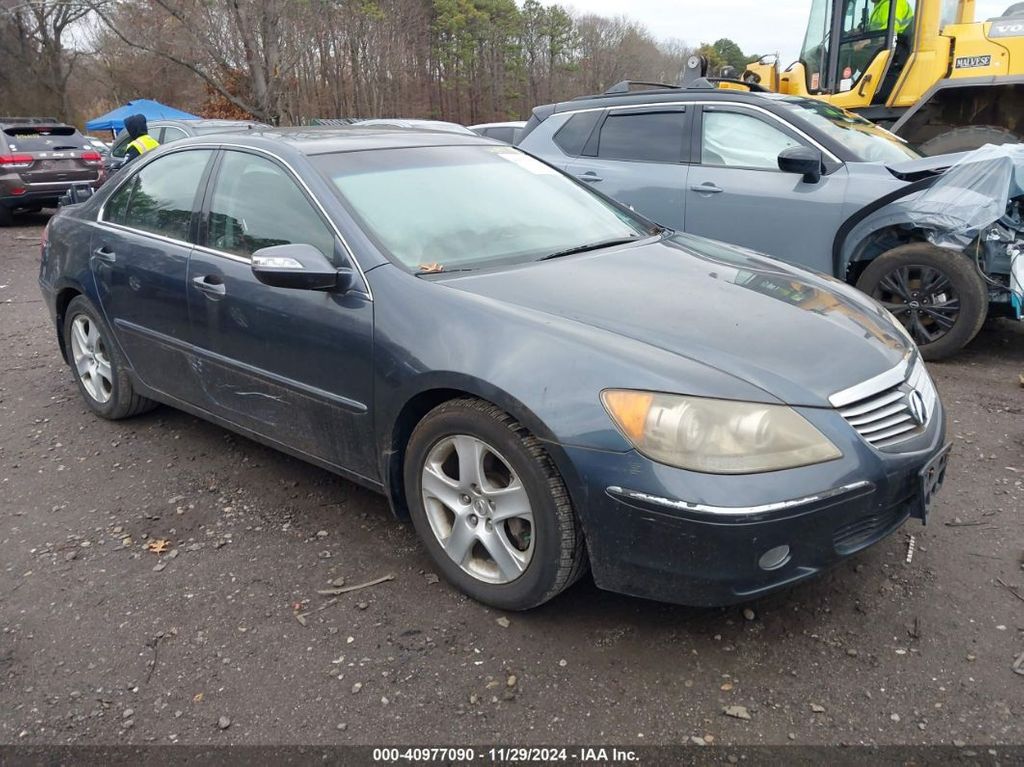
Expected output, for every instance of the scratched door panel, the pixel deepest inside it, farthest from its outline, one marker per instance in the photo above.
(292, 365)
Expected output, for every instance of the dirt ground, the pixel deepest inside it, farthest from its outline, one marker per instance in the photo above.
(103, 641)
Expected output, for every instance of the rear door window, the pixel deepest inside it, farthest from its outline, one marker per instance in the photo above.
(161, 197)
(643, 136)
(257, 204)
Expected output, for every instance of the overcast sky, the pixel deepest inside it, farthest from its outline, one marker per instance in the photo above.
(759, 26)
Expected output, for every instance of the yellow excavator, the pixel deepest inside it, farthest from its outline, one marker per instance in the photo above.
(925, 69)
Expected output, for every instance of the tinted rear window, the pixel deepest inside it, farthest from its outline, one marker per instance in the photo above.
(649, 136)
(36, 138)
(572, 136)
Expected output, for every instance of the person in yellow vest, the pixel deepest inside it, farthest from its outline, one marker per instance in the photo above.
(879, 20)
(141, 141)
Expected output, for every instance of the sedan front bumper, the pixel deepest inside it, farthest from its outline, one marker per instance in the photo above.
(646, 541)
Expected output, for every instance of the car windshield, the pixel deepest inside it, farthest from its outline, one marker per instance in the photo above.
(866, 140)
(453, 208)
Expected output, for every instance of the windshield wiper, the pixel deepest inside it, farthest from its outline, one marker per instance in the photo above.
(592, 246)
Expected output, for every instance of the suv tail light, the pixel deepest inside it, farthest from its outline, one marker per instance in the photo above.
(94, 158)
(16, 160)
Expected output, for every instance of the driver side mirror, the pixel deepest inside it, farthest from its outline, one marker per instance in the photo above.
(804, 160)
(301, 267)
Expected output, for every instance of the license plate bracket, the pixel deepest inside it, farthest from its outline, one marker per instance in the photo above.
(931, 476)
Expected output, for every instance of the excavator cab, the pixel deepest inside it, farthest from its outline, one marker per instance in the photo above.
(923, 68)
(856, 47)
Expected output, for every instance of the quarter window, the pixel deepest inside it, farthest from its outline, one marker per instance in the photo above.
(649, 136)
(572, 136)
(256, 204)
(160, 198)
(732, 139)
(172, 134)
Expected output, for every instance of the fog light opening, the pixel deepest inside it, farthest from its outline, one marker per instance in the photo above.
(775, 558)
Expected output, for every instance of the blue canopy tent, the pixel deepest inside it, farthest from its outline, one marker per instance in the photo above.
(152, 110)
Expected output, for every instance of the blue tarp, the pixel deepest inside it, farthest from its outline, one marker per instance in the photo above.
(153, 110)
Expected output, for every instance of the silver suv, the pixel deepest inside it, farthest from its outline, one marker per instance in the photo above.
(795, 178)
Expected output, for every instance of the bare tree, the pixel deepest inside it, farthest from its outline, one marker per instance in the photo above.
(36, 35)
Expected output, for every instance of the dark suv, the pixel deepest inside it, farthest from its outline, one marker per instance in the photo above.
(166, 131)
(40, 159)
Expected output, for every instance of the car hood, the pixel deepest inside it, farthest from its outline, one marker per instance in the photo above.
(798, 336)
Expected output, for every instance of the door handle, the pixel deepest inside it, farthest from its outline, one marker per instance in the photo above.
(106, 256)
(207, 285)
(590, 177)
(707, 188)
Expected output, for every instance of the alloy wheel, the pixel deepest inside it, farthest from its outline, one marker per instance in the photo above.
(922, 298)
(478, 509)
(92, 363)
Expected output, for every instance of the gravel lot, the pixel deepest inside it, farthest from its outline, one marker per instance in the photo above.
(104, 641)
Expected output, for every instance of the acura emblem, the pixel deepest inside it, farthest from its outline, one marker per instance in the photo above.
(917, 409)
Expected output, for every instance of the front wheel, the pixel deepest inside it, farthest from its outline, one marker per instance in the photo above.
(937, 294)
(490, 506)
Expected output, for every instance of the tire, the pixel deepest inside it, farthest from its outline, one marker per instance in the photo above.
(536, 560)
(895, 279)
(968, 138)
(6, 216)
(90, 350)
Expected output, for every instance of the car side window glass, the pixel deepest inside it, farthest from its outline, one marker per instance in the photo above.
(647, 136)
(172, 134)
(256, 204)
(572, 136)
(160, 198)
(732, 139)
(121, 147)
(501, 134)
(116, 206)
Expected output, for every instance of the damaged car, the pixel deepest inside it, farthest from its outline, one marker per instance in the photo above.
(541, 380)
(795, 178)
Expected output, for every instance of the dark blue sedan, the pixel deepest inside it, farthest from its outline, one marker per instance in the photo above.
(539, 378)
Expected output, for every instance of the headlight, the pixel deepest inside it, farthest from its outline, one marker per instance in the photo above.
(716, 436)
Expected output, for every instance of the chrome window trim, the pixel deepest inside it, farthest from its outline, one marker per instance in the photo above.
(743, 105)
(764, 508)
(143, 233)
(892, 377)
(257, 150)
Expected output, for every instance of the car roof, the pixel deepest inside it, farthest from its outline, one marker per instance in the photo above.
(204, 123)
(330, 140)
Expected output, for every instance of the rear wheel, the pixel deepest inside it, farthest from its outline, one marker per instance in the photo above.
(490, 506)
(6, 217)
(100, 371)
(967, 138)
(937, 294)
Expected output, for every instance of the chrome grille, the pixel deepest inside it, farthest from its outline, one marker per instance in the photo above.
(890, 408)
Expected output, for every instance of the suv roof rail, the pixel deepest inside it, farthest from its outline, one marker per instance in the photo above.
(625, 86)
(712, 81)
